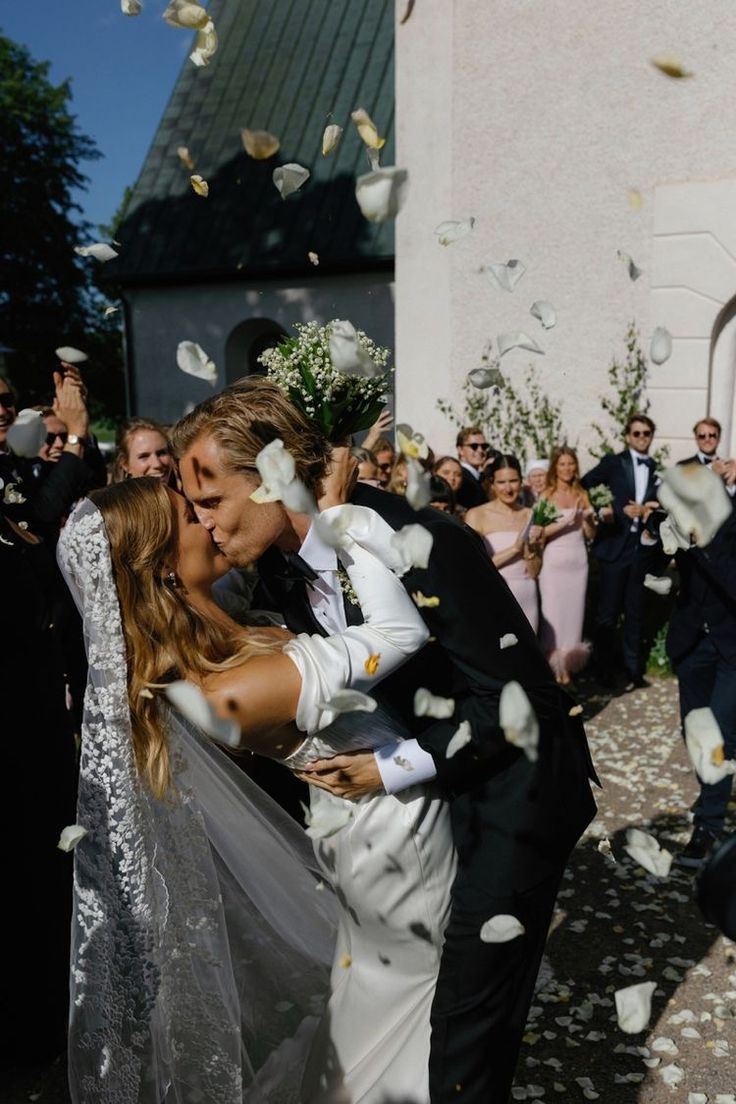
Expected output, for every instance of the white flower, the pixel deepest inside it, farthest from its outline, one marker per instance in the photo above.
(326, 816)
(70, 837)
(131, 7)
(367, 129)
(99, 250)
(518, 720)
(349, 701)
(449, 232)
(660, 584)
(381, 194)
(200, 185)
(517, 340)
(70, 355)
(501, 929)
(645, 850)
(189, 700)
(505, 276)
(186, 15)
(507, 640)
(427, 704)
(460, 739)
(330, 138)
(418, 493)
(696, 500)
(259, 144)
(633, 270)
(660, 347)
(27, 434)
(205, 45)
(193, 360)
(289, 178)
(704, 743)
(544, 312)
(413, 545)
(634, 1006)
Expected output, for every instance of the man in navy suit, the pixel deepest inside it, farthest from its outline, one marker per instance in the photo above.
(622, 547)
(707, 434)
(473, 452)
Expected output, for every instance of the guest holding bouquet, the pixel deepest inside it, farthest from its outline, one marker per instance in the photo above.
(511, 534)
(564, 576)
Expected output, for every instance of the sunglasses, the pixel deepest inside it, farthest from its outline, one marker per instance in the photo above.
(51, 437)
(707, 436)
(641, 433)
(7, 400)
(478, 445)
(384, 467)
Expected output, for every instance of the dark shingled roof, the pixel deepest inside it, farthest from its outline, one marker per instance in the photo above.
(290, 67)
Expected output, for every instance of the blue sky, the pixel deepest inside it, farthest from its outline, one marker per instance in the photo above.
(122, 73)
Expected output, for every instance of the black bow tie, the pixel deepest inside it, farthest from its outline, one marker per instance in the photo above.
(287, 567)
(643, 460)
(707, 459)
(297, 568)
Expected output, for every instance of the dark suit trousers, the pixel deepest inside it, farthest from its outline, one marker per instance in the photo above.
(622, 591)
(482, 999)
(706, 679)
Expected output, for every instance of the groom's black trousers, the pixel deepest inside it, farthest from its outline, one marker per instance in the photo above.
(483, 995)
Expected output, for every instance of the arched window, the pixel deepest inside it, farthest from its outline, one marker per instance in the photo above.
(246, 343)
(721, 375)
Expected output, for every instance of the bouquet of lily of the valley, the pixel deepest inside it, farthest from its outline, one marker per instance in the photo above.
(334, 374)
(544, 512)
(600, 496)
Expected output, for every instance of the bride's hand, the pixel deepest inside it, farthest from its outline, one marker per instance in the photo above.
(352, 775)
(340, 479)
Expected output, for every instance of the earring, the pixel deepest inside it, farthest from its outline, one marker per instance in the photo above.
(171, 580)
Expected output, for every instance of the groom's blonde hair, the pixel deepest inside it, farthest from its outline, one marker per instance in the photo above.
(244, 418)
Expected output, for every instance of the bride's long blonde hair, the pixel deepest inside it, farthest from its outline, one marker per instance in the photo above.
(165, 637)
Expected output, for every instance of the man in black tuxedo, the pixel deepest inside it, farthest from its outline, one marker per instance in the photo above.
(707, 433)
(515, 822)
(472, 451)
(622, 547)
(701, 643)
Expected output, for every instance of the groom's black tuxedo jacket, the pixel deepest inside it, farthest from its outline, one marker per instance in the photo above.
(514, 822)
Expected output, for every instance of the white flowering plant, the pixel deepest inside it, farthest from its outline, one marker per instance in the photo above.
(340, 402)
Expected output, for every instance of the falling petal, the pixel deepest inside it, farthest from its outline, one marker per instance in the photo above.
(297, 497)
(326, 816)
(672, 538)
(330, 138)
(205, 45)
(189, 700)
(449, 232)
(660, 347)
(289, 178)
(545, 313)
(634, 1006)
(381, 194)
(413, 544)
(501, 929)
(633, 269)
(519, 340)
(277, 469)
(425, 602)
(70, 837)
(131, 7)
(575, 711)
(486, 377)
(696, 500)
(260, 144)
(505, 276)
(349, 701)
(418, 491)
(460, 739)
(200, 186)
(374, 158)
(704, 743)
(345, 961)
(372, 663)
(109, 309)
(25, 437)
(69, 355)
(427, 704)
(146, 693)
(604, 845)
(645, 850)
(193, 360)
(518, 720)
(660, 584)
(99, 250)
(313, 258)
(185, 157)
(636, 201)
(411, 444)
(671, 66)
(672, 1075)
(186, 15)
(347, 354)
(508, 640)
(367, 129)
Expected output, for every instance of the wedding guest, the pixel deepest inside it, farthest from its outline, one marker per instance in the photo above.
(472, 452)
(707, 439)
(368, 471)
(397, 480)
(443, 496)
(385, 454)
(513, 542)
(449, 469)
(56, 436)
(623, 556)
(376, 435)
(535, 481)
(563, 579)
(142, 448)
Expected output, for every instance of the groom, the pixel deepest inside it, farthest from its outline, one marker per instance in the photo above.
(514, 822)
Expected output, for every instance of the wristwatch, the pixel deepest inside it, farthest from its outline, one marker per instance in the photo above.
(73, 439)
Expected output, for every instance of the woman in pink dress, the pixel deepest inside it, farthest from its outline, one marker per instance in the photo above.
(564, 575)
(512, 543)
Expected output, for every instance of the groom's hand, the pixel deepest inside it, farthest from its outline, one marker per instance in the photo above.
(352, 775)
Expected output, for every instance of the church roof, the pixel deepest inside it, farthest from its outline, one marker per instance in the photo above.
(289, 67)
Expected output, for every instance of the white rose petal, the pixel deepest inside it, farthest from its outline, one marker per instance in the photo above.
(189, 700)
(99, 250)
(205, 45)
(131, 7)
(109, 309)
(330, 138)
(460, 739)
(259, 144)
(671, 66)
(193, 360)
(349, 701)
(427, 704)
(70, 837)
(645, 850)
(411, 443)
(704, 743)
(347, 354)
(298, 498)
(501, 929)
(660, 347)
(545, 313)
(27, 434)
(412, 545)
(326, 816)
(660, 584)
(186, 15)
(505, 276)
(381, 194)
(418, 492)
(507, 640)
(672, 1075)
(696, 499)
(671, 537)
(277, 468)
(289, 178)
(518, 720)
(185, 157)
(313, 258)
(634, 271)
(449, 232)
(70, 355)
(697, 1098)
(604, 845)
(485, 377)
(634, 1006)
(518, 340)
(367, 129)
(200, 185)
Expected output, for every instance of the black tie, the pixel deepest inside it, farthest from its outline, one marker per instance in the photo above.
(642, 460)
(706, 460)
(297, 568)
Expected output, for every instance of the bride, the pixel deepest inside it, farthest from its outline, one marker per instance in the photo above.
(203, 931)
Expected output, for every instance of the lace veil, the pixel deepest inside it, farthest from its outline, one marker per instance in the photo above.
(201, 942)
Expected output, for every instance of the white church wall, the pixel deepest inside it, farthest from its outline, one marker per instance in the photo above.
(538, 118)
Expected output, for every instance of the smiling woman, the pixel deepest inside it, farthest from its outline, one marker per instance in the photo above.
(142, 448)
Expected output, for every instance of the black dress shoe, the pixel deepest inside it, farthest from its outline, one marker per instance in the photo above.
(699, 847)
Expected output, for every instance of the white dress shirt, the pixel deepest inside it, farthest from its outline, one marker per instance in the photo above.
(326, 600)
(730, 490)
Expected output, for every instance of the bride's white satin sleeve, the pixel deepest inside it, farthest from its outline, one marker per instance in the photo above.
(393, 630)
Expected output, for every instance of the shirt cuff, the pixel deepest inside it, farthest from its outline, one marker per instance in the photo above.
(403, 764)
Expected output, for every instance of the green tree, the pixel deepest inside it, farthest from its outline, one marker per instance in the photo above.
(47, 294)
